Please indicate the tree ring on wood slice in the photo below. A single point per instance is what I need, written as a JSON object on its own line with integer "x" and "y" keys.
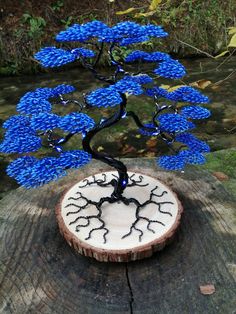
{"x": 130, "y": 229}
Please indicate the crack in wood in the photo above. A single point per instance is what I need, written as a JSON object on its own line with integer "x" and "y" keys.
{"x": 131, "y": 301}
{"x": 208, "y": 227}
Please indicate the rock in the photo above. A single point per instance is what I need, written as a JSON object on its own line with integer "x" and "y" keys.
{"x": 207, "y": 289}
{"x": 220, "y": 176}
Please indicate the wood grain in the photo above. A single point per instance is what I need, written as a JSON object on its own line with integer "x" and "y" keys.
{"x": 40, "y": 273}
{"x": 124, "y": 255}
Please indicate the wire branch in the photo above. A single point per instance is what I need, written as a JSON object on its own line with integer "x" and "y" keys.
{"x": 99, "y": 55}
{"x": 191, "y": 46}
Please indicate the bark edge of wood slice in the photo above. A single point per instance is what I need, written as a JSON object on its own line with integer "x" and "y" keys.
{"x": 104, "y": 254}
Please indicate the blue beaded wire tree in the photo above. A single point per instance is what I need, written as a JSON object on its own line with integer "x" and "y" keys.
{"x": 35, "y": 125}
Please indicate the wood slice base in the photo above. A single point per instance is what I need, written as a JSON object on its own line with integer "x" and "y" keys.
{"x": 117, "y": 232}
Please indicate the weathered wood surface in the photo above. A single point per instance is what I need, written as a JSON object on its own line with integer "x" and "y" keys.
{"x": 40, "y": 273}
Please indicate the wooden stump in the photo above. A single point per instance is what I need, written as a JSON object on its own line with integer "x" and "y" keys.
{"x": 117, "y": 232}
{"x": 40, "y": 273}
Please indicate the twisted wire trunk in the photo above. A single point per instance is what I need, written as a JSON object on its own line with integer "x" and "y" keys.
{"x": 122, "y": 181}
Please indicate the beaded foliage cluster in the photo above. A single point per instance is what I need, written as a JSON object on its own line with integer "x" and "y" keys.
{"x": 173, "y": 121}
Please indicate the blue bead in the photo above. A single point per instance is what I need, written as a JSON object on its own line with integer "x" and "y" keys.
{"x": 54, "y": 57}
{"x": 74, "y": 159}
{"x": 31, "y": 105}
{"x": 170, "y": 69}
{"x": 175, "y": 162}
{"x": 19, "y": 165}
{"x": 20, "y": 131}
{"x": 195, "y": 112}
{"x": 86, "y": 53}
{"x": 16, "y": 121}
{"x": 20, "y": 145}
{"x": 104, "y": 97}
{"x": 154, "y": 30}
{"x": 62, "y": 89}
{"x": 41, "y": 172}
{"x": 156, "y": 57}
{"x": 94, "y": 28}
{"x": 156, "y": 91}
{"x": 193, "y": 157}
{"x": 133, "y": 40}
{"x": 142, "y": 79}
{"x": 129, "y": 84}
{"x": 192, "y": 142}
{"x": 76, "y": 123}
{"x": 171, "y": 122}
{"x": 178, "y": 161}
{"x": 136, "y": 55}
{"x": 188, "y": 94}
{"x": 45, "y": 121}
{"x": 153, "y": 130}
{"x": 84, "y": 32}
{"x": 43, "y": 92}
{"x": 128, "y": 29}
{"x": 73, "y": 33}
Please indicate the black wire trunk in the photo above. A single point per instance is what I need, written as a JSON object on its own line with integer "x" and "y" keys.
{"x": 122, "y": 181}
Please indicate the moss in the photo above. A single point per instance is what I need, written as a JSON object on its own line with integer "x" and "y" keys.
{"x": 224, "y": 161}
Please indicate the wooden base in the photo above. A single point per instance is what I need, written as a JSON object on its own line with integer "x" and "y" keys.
{"x": 117, "y": 232}
{"x": 40, "y": 273}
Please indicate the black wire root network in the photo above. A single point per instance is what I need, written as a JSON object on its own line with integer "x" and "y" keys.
{"x": 110, "y": 199}
{"x": 103, "y": 182}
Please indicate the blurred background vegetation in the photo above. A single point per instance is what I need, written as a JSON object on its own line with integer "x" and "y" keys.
{"x": 196, "y": 27}
{"x": 202, "y": 32}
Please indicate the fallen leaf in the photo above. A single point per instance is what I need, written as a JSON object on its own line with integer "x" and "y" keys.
{"x": 215, "y": 87}
{"x": 221, "y": 54}
{"x": 232, "y": 30}
{"x": 173, "y": 88}
{"x": 150, "y": 13}
{"x": 154, "y": 4}
{"x": 126, "y": 11}
{"x": 207, "y": 289}
{"x": 151, "y": 143}
{"x": 202, "y": 84}
{"x": 165, "y": 86}
{"x": 100, "y": 148}
{"x": 232, "y": 42}
{"x": 128, "y": 149}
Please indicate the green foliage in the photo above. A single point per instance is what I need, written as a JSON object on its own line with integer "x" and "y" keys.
{"x": 91, "y": 16}
{"x": 121, "y": 52}
{"x": 36, "y": 25}
{"x": 12, "y": 68}
{"x": 57, "y": 6}
{"x": 201, "y": 24}
{"x": 67, "y": 21}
